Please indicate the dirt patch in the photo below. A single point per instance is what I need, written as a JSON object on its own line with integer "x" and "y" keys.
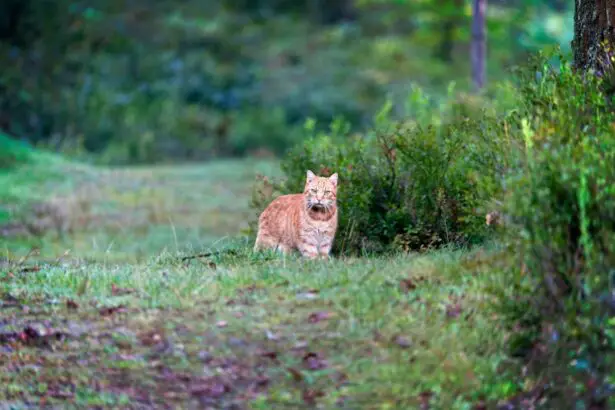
{"x": 66, "y": 354}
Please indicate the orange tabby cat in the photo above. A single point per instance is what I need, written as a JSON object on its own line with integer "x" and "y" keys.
{"x": 306, "y": 222}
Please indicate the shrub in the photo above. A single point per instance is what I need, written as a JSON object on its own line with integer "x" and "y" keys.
{"x": 407, "y": 184}
{"x": 561, "y": 197}
{"x": 12, "y": 152}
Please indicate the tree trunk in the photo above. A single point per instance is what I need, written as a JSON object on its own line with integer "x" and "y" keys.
{"x": 594, "y": 22}
{"x": 479, "y": 43}
{"x": 454, "y": 10}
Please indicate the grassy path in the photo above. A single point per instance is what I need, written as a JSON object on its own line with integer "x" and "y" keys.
{"x": 131, "y": 325}
{"x": 130, "y": 214}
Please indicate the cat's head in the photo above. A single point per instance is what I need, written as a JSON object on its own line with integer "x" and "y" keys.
{"x": 320, "y": 192}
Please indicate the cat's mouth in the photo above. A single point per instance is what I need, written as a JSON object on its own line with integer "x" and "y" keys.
{"x": 318, "y": 208}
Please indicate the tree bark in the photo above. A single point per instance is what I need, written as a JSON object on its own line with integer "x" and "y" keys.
{"x": 594, "y": 29}
{"x": 479, "y": 44}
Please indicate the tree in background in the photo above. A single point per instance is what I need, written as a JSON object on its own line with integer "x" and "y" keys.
{"x": 479, "y": 43}
{"x": 144, "y": 81}
{"x": 594, "y": 29}
{"x": 451, "y": 12}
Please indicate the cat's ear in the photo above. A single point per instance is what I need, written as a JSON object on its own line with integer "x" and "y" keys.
{"x": 333, "y": 179}
{"x": 310, "y": 175}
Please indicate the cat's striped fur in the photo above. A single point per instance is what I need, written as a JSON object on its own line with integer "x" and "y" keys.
{"x": 305, "y": 222}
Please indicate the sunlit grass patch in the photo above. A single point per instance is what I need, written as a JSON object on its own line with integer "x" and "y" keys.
{"x": 125, "y": 214}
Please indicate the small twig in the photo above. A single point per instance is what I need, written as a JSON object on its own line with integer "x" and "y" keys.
{"x": 25, "y": 258}
{"x": 208, "y": 254}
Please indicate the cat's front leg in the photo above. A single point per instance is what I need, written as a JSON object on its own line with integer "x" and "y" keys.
{"x": 308, "y": 250}
{"x": 324, "y": 250}
{"x": 283, "y": 248}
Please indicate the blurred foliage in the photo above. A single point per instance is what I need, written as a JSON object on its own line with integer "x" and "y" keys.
{"x": 541, "y": 153}
{"x": 12, "y": 153}
{"x": 409, "y": 184}
{"x": 140, "y": 81}
{"x": 560, "y": 197}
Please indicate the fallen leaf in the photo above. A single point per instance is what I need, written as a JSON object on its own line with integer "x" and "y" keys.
{"x": 296, "y": 374}
{"x": 71, "y": 304}
{"x": 205, "y": 356}
{"x": 314, "y": 361}
{"x": 30, "y": 269}
{"x": 270, "y": 355}
{"x": 108, "y": 311}
{"x": 309, "y": 396}
{"x": 247, "y": 289}
{"x": 151, "y": 337}
{"x": 31, "y": 336}
{"x": 424, "y": 399}
{"x": 117, "y": 291}
{"x": 378, "y": 337}
{"x": 58, "y": 394}
{"x": 402, "y": 341}
{"x": 453, "y": 310}
{"x": 9, "y": 275}
{"x": 300, "y": 345}
{"x": 29, "y": 333}
{"x": 262, "y": 381}
{"x": 481, "y": 405}
{"x": 210, "y": 388}
{"x": 407, "y": 285}
{"x": 319, "y": 316}
{"x": 9, "y": 301}
{"x": 307, "y": 295}
{"x": 339, "y": 379}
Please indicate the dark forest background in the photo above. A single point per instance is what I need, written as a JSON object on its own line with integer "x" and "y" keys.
{"x": 139, "y": 81}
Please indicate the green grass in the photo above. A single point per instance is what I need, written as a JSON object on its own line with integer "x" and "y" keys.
{"x": 125, "y": 214}
{"x": 383, "y": 330}
{"x": 29, "y": 176}
{"x": 122, "y": 318}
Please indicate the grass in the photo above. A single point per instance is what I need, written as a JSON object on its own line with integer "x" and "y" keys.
{"x": 266, "y": 331}
{"x": 124, "y": 214}
{"x": 122, "y": 320}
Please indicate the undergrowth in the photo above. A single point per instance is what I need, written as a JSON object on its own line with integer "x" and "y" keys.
{"x": 561, "y": 199}
{"x": 545, "y": 166}
{"x": 421, "y": 182}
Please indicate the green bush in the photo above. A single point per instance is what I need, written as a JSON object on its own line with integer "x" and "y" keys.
{"x": 12, "y": 152}
{"x": 561, "y": 199}
{"x": 408, "y": 184}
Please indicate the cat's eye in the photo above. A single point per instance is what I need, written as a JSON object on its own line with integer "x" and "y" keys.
{"x": 313, "y": 191}
{"x": 327, "y": 192}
